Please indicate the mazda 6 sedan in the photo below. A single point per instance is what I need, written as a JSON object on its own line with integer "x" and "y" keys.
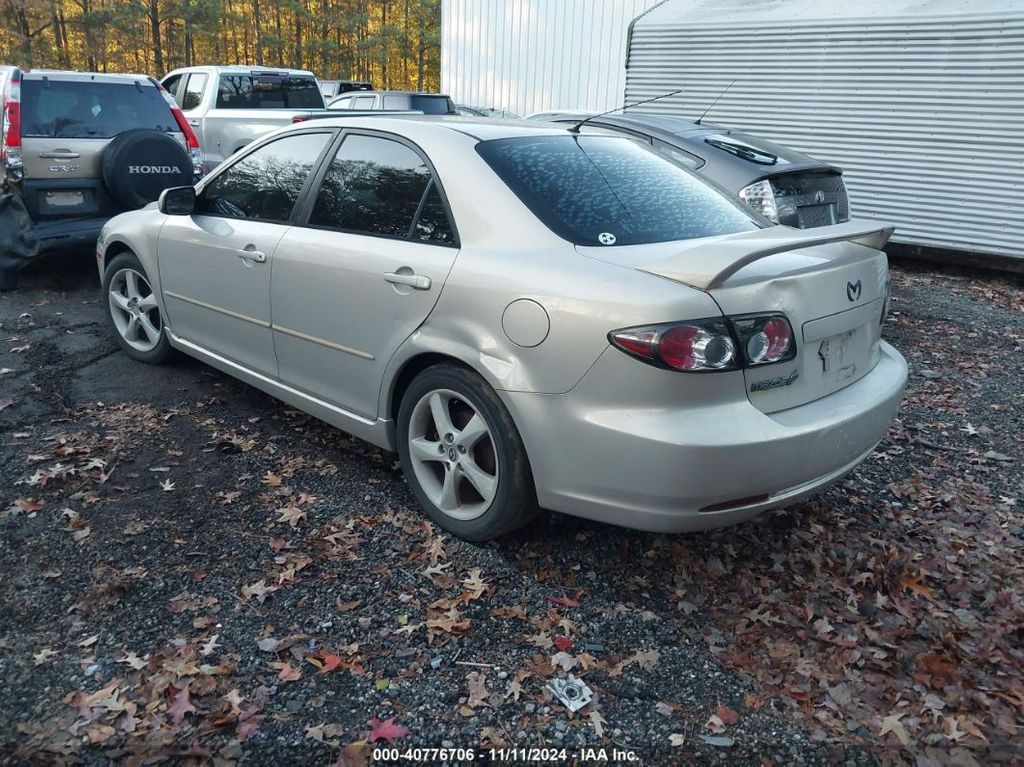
{"x": 531, "y": 317}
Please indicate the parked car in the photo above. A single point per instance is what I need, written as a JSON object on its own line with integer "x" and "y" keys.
{"x": 77, "y": 148}
{"x": 467, "y": 111}
{"x": 396, "y": 101}
{"x": 779, "y": 183}
{"x": 229, "y": 107}
{"x": 331, "y": 88}
{"x": 524, "y": 315}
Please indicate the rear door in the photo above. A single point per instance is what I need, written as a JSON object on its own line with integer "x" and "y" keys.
{"x": 363, "y": 271}
{"x": 66, "y": 124}
{"x": 215, "y": 265}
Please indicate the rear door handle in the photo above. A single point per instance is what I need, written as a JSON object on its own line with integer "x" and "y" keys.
{"x": 414, "y": 281}
{"x": 59, "y": 155}
{"x": 194, "y": 123}
{"x": 249, "y": 253}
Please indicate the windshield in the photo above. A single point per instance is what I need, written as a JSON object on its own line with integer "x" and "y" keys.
{"x": 77, "y": 109}
{"x": 609, "y": 190}
{"x": 268, "y": 92}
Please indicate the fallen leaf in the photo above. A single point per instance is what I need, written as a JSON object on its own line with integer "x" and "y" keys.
{"x": 181, "y": 706}
{"x": 386, "y": 730}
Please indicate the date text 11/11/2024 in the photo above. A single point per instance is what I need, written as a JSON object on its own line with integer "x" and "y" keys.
{"x": 555, "y": 755}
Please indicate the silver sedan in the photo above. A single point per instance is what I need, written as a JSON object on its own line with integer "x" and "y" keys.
{"x": 531, "y": 317}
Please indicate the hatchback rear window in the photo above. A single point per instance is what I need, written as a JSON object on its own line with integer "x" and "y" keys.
{"x": 268, "y": 92}
{"x": 89, "y": 109}
{"x": 607, "y": 190}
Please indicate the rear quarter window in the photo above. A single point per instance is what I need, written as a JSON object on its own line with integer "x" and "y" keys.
{"x": 431, "y": 105}
{"x": 610, "y": 190}
{"x": 84, "y": 109}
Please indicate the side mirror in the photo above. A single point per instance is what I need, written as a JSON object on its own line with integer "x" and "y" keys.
{"x": 177, "y": 201}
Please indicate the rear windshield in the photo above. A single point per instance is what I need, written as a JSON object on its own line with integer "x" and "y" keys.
{"x": 431, "y": 105}
{"x": 607, "y": 190}
{"x": 268, "y": 92}
{"x": 84, "y": 109}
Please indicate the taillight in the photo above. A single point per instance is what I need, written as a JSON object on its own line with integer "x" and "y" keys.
{"x": 764, "y": 338}
{"x": 760, "y": 196}
{"x": 10, "y": 128}
{"x": 695, "y": 347}
{"x": 191, "y": 141}
{"x": 705, "y": 346}
{"x": 300, "y": 119}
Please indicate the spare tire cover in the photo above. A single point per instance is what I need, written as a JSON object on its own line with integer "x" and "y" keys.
{"x": 139, "y": 164}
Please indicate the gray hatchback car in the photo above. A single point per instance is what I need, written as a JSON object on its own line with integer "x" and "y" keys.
{"x": 783, "y": 185}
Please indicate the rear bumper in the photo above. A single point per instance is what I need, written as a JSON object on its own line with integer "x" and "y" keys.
{"x": 655, "y": 467}
{"x": 73, "y": 235}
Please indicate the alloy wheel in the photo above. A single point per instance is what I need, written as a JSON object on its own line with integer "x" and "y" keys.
{"x": 452, "y": 454}
{"x": 134, "y": 310}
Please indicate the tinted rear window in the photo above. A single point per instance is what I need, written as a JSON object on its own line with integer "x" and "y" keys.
{"x": 431, "y": 105}
{"x": 69, "y": 109}
{"x": 268, "y": 92}
{"x": 602, "y": 190}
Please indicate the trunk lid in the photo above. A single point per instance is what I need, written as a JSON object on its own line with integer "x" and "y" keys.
{"x": 829, "y": 282}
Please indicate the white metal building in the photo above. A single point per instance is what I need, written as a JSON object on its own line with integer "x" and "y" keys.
{"x": 533, "y": 55}
{"x": 921, "y": 102}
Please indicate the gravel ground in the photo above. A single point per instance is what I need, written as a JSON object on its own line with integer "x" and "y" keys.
{"x": 197, "y": 573}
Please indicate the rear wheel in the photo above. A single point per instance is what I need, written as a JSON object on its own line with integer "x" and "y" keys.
{"x": 133, "y": 310}
{"x": 463, "y": 456}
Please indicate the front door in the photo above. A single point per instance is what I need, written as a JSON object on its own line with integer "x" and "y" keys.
{"x": 361, "y": 272}
{"x": 215, "y": 265}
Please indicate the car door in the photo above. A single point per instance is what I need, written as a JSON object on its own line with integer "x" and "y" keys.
{"x": 215, "y": 264}
{"x": 361, "y": 271}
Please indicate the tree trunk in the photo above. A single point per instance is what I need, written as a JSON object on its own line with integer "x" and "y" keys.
{"x": 384, "y": 44}
{"x": 259, "y": 31}
{"x": 298, "y": 35}
{"x": 154, "y": 25}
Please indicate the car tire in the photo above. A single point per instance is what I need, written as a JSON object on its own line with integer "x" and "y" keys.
{"x": 134, "y": 314}
{"x": 484, "y": 461}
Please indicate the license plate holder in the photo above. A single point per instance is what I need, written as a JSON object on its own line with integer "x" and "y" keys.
{"x": 65, "y": 198}
{"x": 839, "y": 357}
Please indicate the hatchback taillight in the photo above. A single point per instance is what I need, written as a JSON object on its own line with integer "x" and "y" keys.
{"x": 10, "y": 127}
{"x": 706, "y": 346}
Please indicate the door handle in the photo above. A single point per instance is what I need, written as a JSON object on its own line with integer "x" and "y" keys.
{"x": 194, "y": 123}
{"x": 249, "y": 253}
{"x": 59, "y": 155}
{"x": 414, "y": 281}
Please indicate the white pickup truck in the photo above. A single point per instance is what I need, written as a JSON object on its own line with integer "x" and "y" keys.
{"x": 231, "y": 106}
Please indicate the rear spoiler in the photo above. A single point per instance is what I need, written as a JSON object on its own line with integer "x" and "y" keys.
{"x": 706, "y": 265}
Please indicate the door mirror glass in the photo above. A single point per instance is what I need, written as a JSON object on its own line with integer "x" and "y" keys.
{"x": 177, "y": 201}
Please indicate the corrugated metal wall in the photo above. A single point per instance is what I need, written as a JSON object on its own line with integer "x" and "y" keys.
{"x": 533, "y": 55}
{"x": 925, "y": 113}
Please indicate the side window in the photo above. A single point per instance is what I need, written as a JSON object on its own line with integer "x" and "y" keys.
{"x": 192, "y": 94}
{"x": 433, "y": 225}
{"x": 374, "y": 186}
{"x": 364, "y": 102}
{"x": 345, "y": 103}
{"x": 395, "y": 103}
{"x": 234, "y": 92}
{"x": 172, "y": 85}
{"x": 265, "y": 184}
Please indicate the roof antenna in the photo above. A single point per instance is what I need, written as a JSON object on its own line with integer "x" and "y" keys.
{"x": 576, "y": 128}
{"x": 727, "y": 87}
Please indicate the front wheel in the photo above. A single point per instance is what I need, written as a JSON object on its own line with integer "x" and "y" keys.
{"x": 133, "y": 310}
{"x": 463, "y": 456}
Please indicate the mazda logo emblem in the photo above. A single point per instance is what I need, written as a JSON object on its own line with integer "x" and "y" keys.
{"x": 853, "y": 290}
